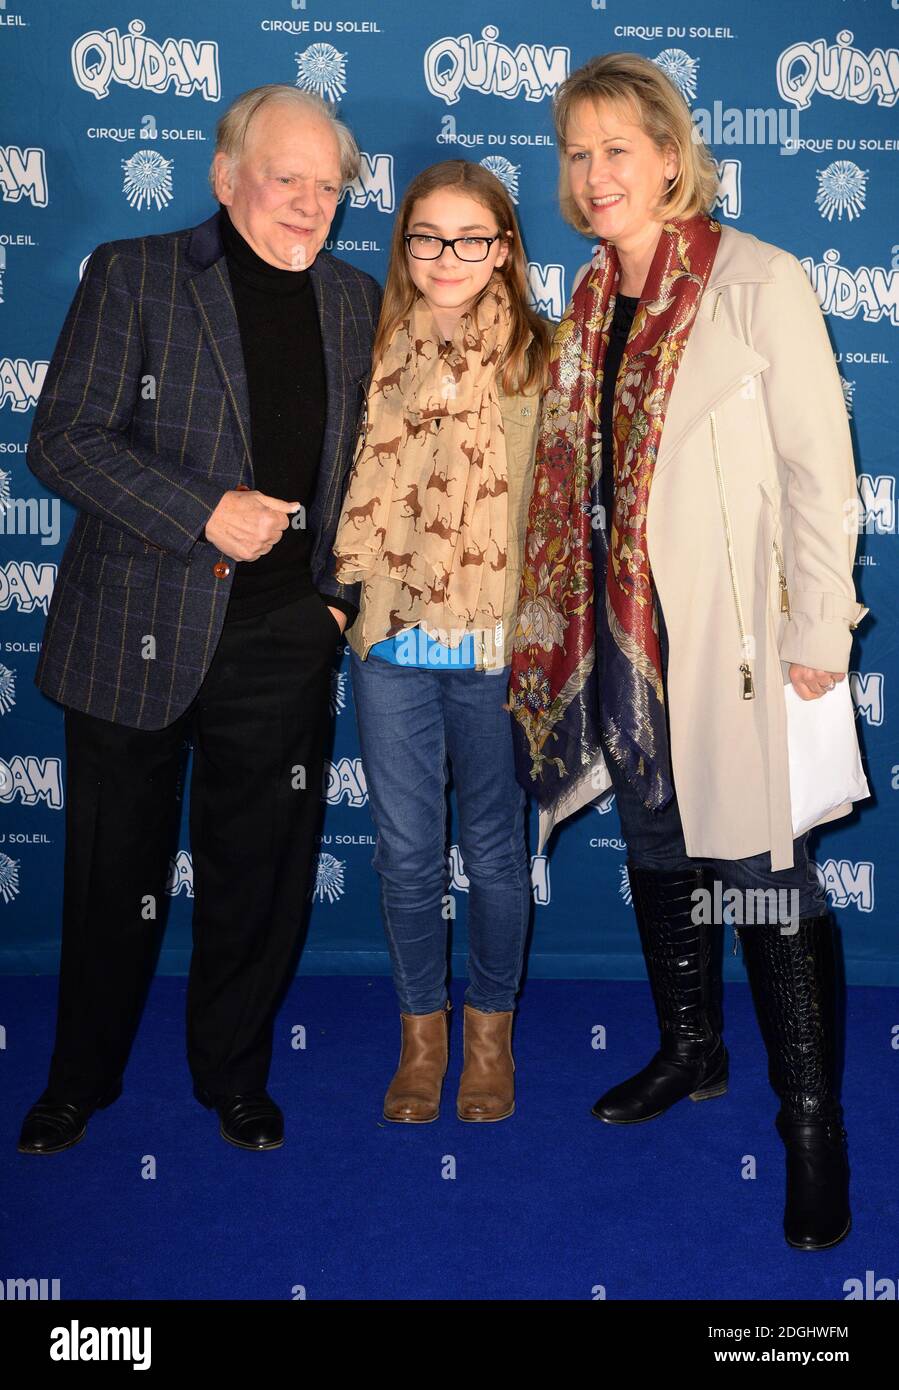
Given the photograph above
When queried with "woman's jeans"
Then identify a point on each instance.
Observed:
(655, 840)
(411, 721)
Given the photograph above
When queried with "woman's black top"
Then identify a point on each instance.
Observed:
(622, 318)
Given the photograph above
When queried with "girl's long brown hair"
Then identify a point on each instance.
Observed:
(523, 367)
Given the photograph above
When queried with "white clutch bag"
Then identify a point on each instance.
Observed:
(825, 762)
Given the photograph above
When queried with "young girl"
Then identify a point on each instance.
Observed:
(433, 525)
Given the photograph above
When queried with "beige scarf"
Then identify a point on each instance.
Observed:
(426, 507)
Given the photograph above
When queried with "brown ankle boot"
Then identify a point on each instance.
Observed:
(413, 1095)
(487, 1087)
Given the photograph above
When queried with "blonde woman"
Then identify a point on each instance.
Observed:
(686, 556)
(433, 526)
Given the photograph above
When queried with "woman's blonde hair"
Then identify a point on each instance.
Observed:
(523, 366)
(636, 85)
(231, 131)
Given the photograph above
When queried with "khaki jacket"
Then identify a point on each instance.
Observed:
(757, 414)
(521, 414)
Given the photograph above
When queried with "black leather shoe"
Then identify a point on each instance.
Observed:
(52, 1125)
(251, 1120)
(683, 962)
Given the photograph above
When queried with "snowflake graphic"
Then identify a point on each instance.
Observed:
(624, 887)
(681, 68)
(506, 172)
(322, 69)
(848, 394)
(5, 494)
(842, 187)
(338, 692)
(9, 878)
(7, 689)
(148, 179)
(328, 879)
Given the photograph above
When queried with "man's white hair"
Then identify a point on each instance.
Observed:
(231, 131)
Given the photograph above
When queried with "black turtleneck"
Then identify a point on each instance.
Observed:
(282, 350)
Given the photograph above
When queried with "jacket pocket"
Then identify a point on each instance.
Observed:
(775, 532)
(105, 568)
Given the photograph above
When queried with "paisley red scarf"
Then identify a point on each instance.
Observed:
(555, 696)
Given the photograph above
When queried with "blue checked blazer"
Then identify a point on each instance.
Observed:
(143, 423)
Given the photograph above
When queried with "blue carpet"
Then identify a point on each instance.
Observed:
(550, 1204)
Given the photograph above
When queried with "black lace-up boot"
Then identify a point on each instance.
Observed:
(792, 974)
(683, 961)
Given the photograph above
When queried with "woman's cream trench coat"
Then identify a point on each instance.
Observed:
(759, 387)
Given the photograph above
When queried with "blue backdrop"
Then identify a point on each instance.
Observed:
(108, 116)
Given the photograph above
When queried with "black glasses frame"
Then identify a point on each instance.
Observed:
(450, 241)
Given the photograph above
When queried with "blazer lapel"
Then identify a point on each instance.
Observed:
(211, 291)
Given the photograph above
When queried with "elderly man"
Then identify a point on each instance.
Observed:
(200, 413)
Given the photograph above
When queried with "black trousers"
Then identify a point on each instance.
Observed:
(259, 724)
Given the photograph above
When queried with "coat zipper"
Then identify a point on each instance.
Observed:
(745, 668)
(784, 591)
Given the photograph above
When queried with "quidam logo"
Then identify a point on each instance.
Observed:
(181, 875)
(839, 71)
(100, 57)
(25, 586)
(681, 69)
(875, 504)
(32, 780)
(729, 197)
(848, 395)
(842, 188)
(329, 879)
(872, 291)
(21, 382)
(505, 171)
(866, 689)
(345, 781)
(546, 289)
(148, 180)
(848, 881)
(7, 689)
(9, 878)
(23, 174)
(493, 68)
(373, 184)
(541, 890)
(321, 68)
(338, 692)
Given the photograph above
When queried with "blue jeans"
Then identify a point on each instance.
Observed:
(655, 840)
(411, 722)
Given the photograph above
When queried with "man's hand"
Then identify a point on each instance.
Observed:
(811, 684)
(247, 523)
